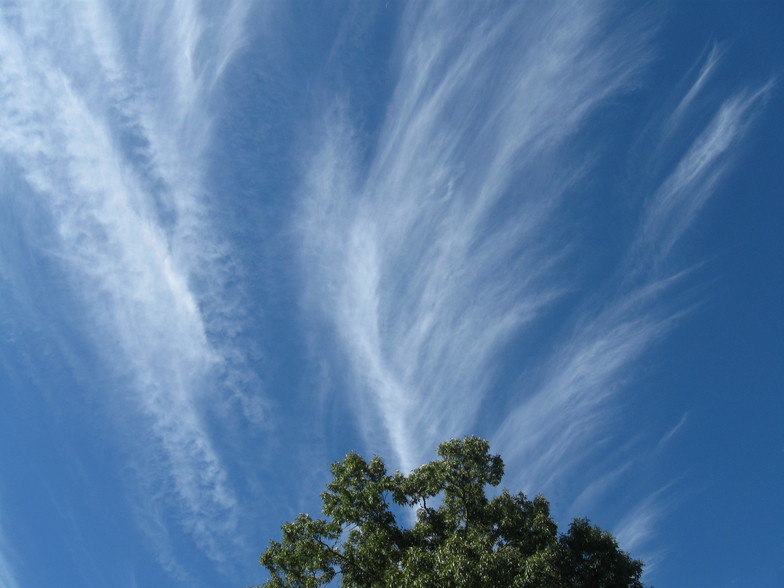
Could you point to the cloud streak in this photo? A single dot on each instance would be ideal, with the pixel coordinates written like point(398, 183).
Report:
point(443, 249)
point(444, 244)
point(674, 206)
point(113, 155)
point(8, 577)
point(567, 418)
point(591, 362)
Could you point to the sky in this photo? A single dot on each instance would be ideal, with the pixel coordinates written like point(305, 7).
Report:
point(239, 239)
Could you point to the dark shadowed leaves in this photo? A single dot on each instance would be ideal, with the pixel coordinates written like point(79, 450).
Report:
point(460, 537)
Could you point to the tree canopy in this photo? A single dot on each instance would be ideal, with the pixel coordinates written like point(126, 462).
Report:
point(461, 538)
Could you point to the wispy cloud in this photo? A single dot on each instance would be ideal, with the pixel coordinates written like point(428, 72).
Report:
point(8, 577)
point(673, 207)
point(567, 417)
point(446, 246)
point(635, 531)
point(432, 249)
point(706, 71)
point(672, 432)
point(112, 149)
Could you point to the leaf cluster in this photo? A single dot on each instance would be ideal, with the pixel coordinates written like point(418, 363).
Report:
point(461, 538)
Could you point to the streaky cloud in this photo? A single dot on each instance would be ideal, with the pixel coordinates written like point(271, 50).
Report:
point(637, 528)
point(130, 224)
point(707, 70)
point(437, 246)
point(565, 418)
point(436, 254)
point(673, 431)
point(674, 206)
point(8, 578)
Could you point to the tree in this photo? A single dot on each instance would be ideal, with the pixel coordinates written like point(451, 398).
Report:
point(460, 537)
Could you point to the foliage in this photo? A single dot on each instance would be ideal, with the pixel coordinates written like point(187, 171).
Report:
point(460, 538)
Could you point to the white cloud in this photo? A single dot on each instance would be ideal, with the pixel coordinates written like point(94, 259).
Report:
point(707, 70)
point(673, 207)
point(432, 254)
point(635, 530)
point(8, 577)
point(672, 432)
point(433, 258)
point(566, 417)
point(130, 223)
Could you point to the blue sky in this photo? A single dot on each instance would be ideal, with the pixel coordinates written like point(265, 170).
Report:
point(239, 239)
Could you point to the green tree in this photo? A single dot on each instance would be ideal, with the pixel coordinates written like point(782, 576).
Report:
point(460, 538)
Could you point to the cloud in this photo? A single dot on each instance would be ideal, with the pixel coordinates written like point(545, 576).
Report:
point(431, 250)
point(707, 70)
point(113, 156)
point(638, 527)
point(7, 575)
point(674, 206)
point(566, 417)
point(432, 257)
point(672, 432)
point(7, 578)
